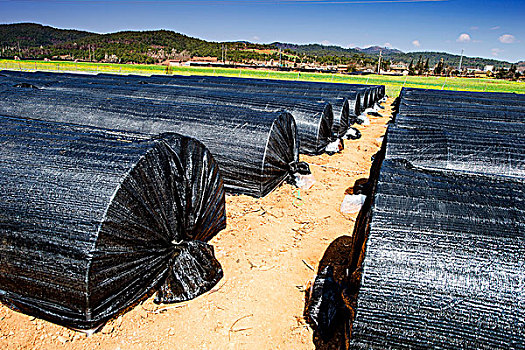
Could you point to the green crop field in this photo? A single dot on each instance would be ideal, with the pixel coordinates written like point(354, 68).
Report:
point(393, 84)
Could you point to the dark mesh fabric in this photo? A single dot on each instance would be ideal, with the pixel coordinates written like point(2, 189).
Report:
point(240, 139)
point(314, 117)
point(94, 220)
point(443, 267)
point(292, 93)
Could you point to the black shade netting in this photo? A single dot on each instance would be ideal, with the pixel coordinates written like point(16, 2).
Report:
point(459, 150)
point(350, 109)
point(466, 112)
point(256, 151)
point(95, 220)
point(298, 85)
point(339, 95)
point(365, 99)
point(314, 118)
point(444, 262)
point(290, 96)
point(455, 94)
point(325, 302)
point(472, 100)
point(443, 266)
point(382, 91)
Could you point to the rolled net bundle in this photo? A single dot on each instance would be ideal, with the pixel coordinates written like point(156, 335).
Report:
point(256, 151)
point(95, 220)
point(443, 266)
point(466, 112)
point(472, 100)
point(314, 118)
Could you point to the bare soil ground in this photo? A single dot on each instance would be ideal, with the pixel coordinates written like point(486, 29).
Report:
point(269, 251)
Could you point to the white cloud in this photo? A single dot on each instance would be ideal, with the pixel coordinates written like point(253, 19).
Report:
point(474, 28)
point(416, 43)
point(255, 37)
point(496, 51)
point(495, 28)
point(326, 43)
point(463, 38)
point(507, 39)
point(387, 45)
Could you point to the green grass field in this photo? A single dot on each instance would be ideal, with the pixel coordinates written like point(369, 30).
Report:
point(393, 84)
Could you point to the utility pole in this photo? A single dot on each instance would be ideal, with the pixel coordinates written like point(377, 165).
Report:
point(379, 63)
point(460, 61)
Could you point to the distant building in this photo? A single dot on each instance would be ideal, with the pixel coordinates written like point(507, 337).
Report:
point(488, 68)
point(399, 67)
point(206, 59)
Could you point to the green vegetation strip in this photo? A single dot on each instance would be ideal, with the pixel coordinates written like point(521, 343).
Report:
point(393, 84)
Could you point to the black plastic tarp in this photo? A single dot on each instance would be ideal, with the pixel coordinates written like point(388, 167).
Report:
point(256, 151)
point(314, 118)
point(92, 221)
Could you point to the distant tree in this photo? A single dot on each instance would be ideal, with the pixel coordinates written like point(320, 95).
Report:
point(501, 73)
point(426, 67)
point(419, 66)
point(512, 72)
point(411, 68)
point(438, 70)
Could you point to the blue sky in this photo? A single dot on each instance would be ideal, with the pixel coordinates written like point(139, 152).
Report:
point(485, 28)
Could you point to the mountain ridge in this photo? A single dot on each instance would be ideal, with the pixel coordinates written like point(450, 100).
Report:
point(32, 40)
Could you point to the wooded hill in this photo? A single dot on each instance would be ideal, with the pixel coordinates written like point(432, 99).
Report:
point(30, 40)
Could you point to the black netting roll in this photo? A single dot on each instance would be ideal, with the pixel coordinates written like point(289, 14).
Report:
point(444, 262)
point(314, 118)
point(441, 112)
point(256, 151)
point(468, 151)
point(94, 220)
point(365, 99)
point(461, 99)
point(382, 91)
point(444, 253)
point(289, 96)
point(454, 94)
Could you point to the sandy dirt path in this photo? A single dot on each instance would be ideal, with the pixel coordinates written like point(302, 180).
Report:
point(269, 251)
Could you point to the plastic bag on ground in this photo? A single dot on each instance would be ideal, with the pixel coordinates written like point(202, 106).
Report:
point(363, 120)
point(352, 203)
